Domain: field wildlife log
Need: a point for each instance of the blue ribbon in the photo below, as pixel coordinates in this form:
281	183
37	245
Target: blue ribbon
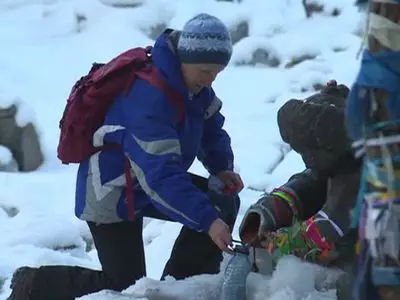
381	70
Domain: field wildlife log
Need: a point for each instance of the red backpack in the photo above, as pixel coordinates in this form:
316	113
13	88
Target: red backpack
92	96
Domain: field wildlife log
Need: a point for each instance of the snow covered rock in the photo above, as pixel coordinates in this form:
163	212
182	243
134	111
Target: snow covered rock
123	3
21	144
298	60
155	30
253	51
239	31
7	162
8	211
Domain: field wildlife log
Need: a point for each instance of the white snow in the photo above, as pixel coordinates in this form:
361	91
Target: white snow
5	155
47	45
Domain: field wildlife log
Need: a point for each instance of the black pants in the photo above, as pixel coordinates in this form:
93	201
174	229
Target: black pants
121	254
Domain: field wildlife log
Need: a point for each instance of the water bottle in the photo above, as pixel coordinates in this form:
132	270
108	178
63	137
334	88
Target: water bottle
235	276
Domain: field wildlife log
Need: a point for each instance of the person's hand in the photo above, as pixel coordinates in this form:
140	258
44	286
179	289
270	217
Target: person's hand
231	180
221	235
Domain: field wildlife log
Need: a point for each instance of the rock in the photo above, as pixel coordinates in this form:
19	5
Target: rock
251	51
89	244
339	49
2	282
123	3
260	56
314	88
335	12
65	248
152	25
299	59
318	86
7	162
239	31
313	6
361	4
81	21
154	31
10	210
23	142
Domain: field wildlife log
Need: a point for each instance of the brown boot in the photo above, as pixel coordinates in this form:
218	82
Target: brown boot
22	284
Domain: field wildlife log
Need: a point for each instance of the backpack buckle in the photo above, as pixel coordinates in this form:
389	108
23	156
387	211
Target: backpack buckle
148	51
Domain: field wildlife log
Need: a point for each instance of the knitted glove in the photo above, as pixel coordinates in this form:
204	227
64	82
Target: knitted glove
303	240
269	213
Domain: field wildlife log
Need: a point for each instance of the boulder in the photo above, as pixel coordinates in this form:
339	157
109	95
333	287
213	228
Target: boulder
260	56
23	142
7	162
239	31
123	3
299	59
155	30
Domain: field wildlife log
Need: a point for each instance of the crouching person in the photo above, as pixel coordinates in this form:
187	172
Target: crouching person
158	149
309	216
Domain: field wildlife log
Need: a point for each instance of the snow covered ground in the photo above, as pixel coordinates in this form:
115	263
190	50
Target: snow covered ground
47	45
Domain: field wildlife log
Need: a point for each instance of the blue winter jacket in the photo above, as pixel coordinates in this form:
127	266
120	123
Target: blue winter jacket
160	151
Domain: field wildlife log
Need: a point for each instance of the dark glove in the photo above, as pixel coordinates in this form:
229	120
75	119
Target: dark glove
267	214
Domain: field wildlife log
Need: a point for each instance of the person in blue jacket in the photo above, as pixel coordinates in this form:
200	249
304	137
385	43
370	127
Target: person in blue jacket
160	153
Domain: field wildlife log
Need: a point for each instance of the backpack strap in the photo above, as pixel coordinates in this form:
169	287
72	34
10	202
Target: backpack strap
154	77
129	190
150	74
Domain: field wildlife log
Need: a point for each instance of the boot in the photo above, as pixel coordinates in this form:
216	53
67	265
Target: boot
22	284
49	283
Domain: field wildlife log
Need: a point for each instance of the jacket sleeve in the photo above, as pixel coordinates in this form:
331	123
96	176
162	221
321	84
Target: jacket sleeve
308	191
152	145
215	153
